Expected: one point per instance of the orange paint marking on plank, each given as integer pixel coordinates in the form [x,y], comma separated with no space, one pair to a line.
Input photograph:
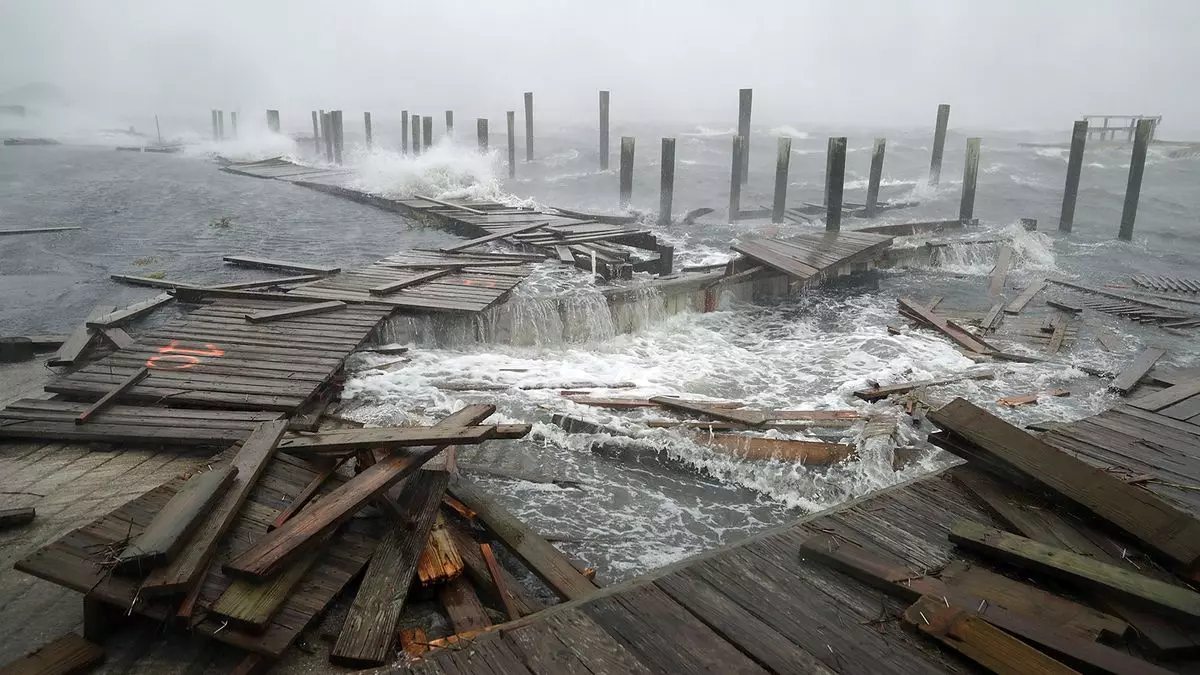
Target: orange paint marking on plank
[174,357]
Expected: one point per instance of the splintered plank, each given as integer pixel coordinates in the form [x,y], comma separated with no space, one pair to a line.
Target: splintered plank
[944,327]
[1135,371]
[1026,399]
[68,655]
[349,440]
[16,517]
[281,265]
[1026,295]
[510,608]
[392,287]
[808,453]
[308,528]
[751,418]
[185,571]
[479,571]
[993,317]
[463,607]
[545,560]
[293,312]
[169,530]
[79,338]
[1081,570]
[440,560]
[111,397]
[904,387]
[123,316]
[250,606]
[1171,533]
[495,235]
[117,336]
[999,271]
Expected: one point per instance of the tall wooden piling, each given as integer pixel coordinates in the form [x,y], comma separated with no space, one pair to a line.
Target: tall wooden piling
[735,178]
[158,131]
[338,138]
[529,126]
[510,118]
[666,187]
[1137,167]
[416,134]
[233,124]
[745,98]
[427,132]
[273,120]
[939,143]
[316,132]
[836,182]
[604,131]
[327,134]
[404,131]
[626,187]
[783,160]
[213,115]
[220,125]
[875,177]
[481,132]
[1066,219]
[367,127]
[966,206]
[449,123]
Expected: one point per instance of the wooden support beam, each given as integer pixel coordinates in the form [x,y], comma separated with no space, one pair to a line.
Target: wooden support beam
[495,235]
[754,448]
[752,418]
[171,527]
[281,265]
[123,316]
[306,494]
[477,569]
[625,186]
[68,655]
[498,580]
[874,178]
[392,287]
[1066,218]
[349,440]
[1128,379]
[79,338]
[466,612]
[604,104]
[1133,188]
[111,397]
[939,143]
[293,312]
[186,570]
[878,393]
[943,326]
[451,205]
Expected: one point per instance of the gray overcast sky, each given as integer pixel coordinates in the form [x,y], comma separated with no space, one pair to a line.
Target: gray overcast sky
[1000,63]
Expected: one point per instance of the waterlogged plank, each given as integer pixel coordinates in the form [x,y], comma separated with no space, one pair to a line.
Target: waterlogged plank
[123,316]
[79,338]
[250,605]
[392,287]
[1135,371]
[1026,295]
[349,440]
[943,326]
[495,235]
[477,569]
[751,418]
[808,453]
[293,312]
[876,393]
[281,265]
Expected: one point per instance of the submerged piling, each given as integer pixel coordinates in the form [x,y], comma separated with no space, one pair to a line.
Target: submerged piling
[427,132]
[1137,167]
[404,131]
[338,138]
[666,188]
[875,177]
[745,98]
[481,133]
[604,131]
[626,177]
[783,159]
[316,133]
[449,123]
[835,183]
[966,205]
[233,124]
[735,178]
[1066,219]
[416,134]
[367,127]
[939,143]
[510,118]
[529,126]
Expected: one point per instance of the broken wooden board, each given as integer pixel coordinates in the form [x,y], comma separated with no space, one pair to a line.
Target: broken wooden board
[1026,399]
[79,338]
[307,493]
[393,286]
[878,393]
[120,317]
[162,540]
[111,397]
[250,605]
[466,612]
[751,418]
[281,265]
[477,569]
[1026,295]
[939,323]
[494,236]
[266,316]
[68,655]
[1129,377]
[349,440]
[756,448]
[992,319]
[999,272]
[440,561]
[631,403]
[489,558]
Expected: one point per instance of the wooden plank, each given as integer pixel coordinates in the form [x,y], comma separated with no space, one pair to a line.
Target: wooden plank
[1129,377]
[68,655]
[440,560]
[1057,336]
[1026,295]
[494,236]
[39,230]
[751,418]
[392,287]
[185,571]
[16,517]
[111,397]
[463,607]
[306,494]
[281,265]
[171,527]
[545,560]
[123,316]
[1066,307]
[452,205]
[760,252]
[510,608]
[1080,570]
[272,551]
[999,271]
[1167,531]
[250,605]
[1026,399]
[992,319]
[808,453]
[152,282]
[267,283]
[117,336]
[349,440]
[564,254]
[1167,397]
[944,327]
[878,393]
[79,338]
[477,569]
[293,312]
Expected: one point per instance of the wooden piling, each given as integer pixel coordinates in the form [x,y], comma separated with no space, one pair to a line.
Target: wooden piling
[367,127]
[667,183]
[327,134]
[213,115]
[511,123]
[939,143]
[273,120]
[966,206]
[529,126]
[783,160]
[837,183]
[404,131]
[232,124]
[316,132]
[427,132]
[449,123]
[604,131]
[627,146]
[1137,167]
[735,178]
[876,176]
[158,130]
[745,98]
[416,134]
[481,132]
[1066,218]
[220,125]
[338,138]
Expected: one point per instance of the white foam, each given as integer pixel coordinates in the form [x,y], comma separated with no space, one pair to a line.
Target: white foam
[790,132]
[703,132]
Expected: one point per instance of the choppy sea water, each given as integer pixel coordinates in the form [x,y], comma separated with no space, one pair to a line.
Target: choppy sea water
[177,215]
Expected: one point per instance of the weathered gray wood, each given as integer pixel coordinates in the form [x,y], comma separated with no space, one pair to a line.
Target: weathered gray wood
[338,138]
[1133,189]
[939,143]
[348,440]
[1026,295]
[316,133]
[745,103]
[626,178]
[403,132]
[466,612]
[875,177]
[38,230]
[293,312]
[876,393]
[282,265]
[168,532]
[1135,371]
[416,134]
[481,134]
[124,315]
[1066,218]
[999,271]
[735,178]
[604,101]
[510,121]
[751,418]
[392,287]
[477,568]
[68,655]
[494,236]
[783,159]
[111,397]
[966,207]
[667,181]
[367,128]
[118,337]
[835,183]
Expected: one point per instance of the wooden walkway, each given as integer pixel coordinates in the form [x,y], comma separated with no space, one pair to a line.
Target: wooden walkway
[814,256]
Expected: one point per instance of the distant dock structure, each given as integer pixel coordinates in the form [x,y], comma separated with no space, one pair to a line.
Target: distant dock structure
[1126,124]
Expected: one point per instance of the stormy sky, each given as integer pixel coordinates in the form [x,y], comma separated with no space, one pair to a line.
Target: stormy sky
[1003,64]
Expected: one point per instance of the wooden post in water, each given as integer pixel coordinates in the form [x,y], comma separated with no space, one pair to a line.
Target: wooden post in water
[316,132]
[783,160]
[510,118]
[666,187]
[604,131]
[939,143]
[966,206]
[1066,219]
[735,179]
[327,134]
[626,182]
[404,131]
[426,132]
[220,125]
[745,98]
[449,123]
[213,115]
[158,130]
[1137,166]
[875,177]
[837,183]
[273,120]
[232,123]
[367,127]
[416,134]
[338,139]
[481,131]
[529,126]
